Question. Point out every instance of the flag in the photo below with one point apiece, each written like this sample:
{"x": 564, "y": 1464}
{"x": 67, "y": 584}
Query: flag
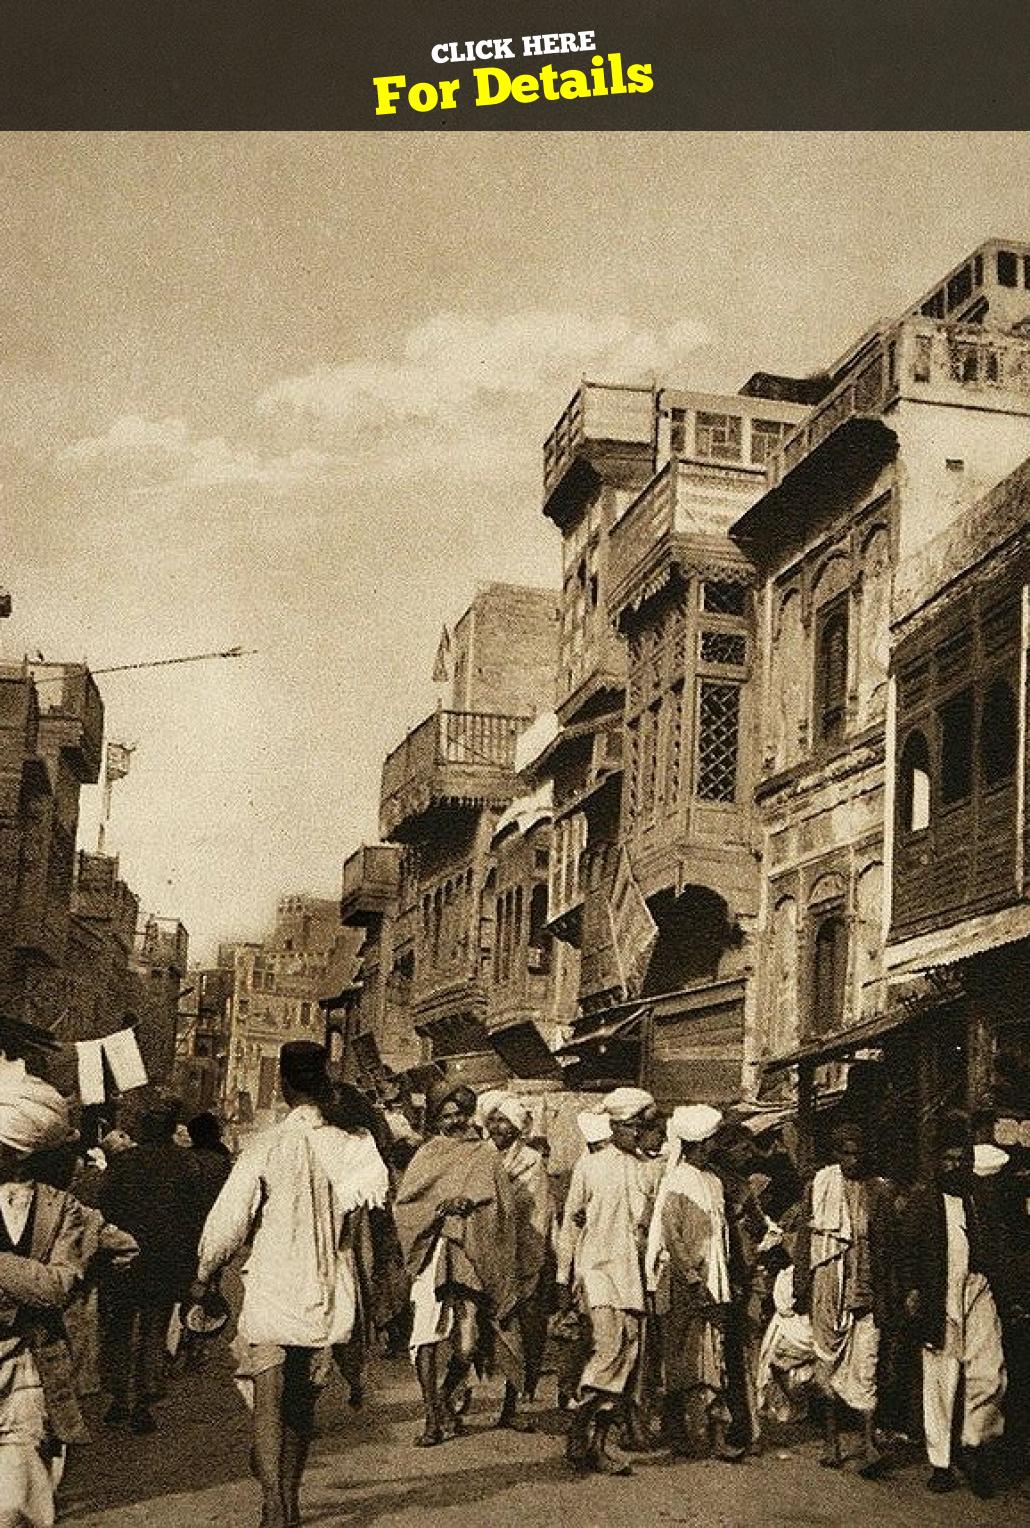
{"x": 119, "y": 756}
{"x": 442, "y": 662}
{"x": 634, "y": 931}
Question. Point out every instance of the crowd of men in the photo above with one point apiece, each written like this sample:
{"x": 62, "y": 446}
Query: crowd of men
{"x": 685, "y": 1298}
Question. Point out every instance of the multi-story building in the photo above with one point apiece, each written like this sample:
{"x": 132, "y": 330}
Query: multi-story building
{"x": 957, "y": 960}
{"x": 920, "y": 419}
{"x": 652, "y": 874}
{"x": 51, "y": 732}
{"x": 101, "y": 988}
{"x": 277, "y": 985}
{"x": 159, "y": 962}
{"x": 451, "y": 923}
{"x": 202, "y": 1041}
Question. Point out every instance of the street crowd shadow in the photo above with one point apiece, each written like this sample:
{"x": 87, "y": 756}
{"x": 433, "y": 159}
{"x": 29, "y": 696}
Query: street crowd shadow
{"x": 424, "y": 1495}
{"x": 203, "y": 1439}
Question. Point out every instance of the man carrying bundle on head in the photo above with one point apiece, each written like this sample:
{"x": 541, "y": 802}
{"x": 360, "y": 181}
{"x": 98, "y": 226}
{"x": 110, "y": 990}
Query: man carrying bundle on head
{"x": 458, "y": 1231}
{"x": 292, "y": 1192}
{"x": 605, "y": 1226}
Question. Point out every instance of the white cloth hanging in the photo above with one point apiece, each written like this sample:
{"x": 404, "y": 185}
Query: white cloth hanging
{"x": 90, "y": 1056}
{"x": 124, "y": 1059}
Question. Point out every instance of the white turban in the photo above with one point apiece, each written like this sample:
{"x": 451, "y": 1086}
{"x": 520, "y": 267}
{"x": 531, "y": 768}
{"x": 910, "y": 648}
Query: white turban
{"x": 626, "y": 1103}
{"x": 693, "y": 1122}
{"x": 511, "y": 1109}
{"x": 594, "y": 1127}
{"x": 487, "y": 1102}
{"x": 988, "y": 1159}
{"x": 33, "y": 1115}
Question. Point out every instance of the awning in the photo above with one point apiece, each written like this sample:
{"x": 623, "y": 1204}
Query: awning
{"x": 617, "y": 1026}
{"x": 524, "y": 814}
{"x": 832, "y": 1047}
{"x": 524, "y": 1050}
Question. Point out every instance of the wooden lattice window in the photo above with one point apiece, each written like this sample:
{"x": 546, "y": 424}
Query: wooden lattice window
{"x": 718, "y": 730}
{"x": 914, "y": 792}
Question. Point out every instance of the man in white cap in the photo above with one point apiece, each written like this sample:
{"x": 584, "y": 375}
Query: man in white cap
{"x": 953, "y": 1266}
{"x": 688, "y": 1269}
{"x": 604, "y": 1231}
{"x": 43, "y": 1258}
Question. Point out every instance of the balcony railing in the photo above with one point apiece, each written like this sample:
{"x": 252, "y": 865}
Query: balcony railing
{"x": 453, "y": 756}
{"x": 371, "y": 880}
{"x": 916, "y": 359}
{"x": 671, "y": 504}
{"x": 599, "y": 412}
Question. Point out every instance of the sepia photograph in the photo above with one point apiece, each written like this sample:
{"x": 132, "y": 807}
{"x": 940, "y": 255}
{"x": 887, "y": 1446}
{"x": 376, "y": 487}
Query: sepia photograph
{"x": 514, "y": 913}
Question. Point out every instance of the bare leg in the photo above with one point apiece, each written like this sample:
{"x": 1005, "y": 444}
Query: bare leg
{"x": 298, "y": 1413}
{"x": 267, "y": 1456}
{"x": 831, "y": 1455}
{"x": 874, "y": 1463}
{"x": 428, "y": 1379}
{"x": 508, "y": 1417}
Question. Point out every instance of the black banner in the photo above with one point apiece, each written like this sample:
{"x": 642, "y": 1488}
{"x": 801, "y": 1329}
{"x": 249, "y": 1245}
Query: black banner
{"x": 571, "y": 64}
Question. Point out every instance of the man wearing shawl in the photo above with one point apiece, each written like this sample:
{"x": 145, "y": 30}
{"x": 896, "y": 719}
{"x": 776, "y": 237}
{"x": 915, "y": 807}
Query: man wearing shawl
{"x": 458, "y": 1231}
{"x": 507, "y": 1124}
{"x": 292, "y": 1194}
{"x": 688, "y": 1271}
{"x": 604, "y": 1234}
{"x": 843, "y": 1280}
{"x": 43, "y": 1258}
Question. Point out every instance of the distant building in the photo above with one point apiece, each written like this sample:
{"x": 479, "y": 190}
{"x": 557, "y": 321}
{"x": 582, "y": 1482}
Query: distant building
{"x": 447, "y": 922}
{"x": 203, "y": 1037}
{"x": 276, "y": 988}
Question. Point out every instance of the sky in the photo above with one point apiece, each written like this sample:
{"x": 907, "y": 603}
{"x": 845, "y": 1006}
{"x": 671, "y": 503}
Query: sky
{"x": 289, "y": 392}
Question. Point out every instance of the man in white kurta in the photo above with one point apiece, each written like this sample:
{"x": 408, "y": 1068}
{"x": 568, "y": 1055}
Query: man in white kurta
{"x": 604, "y": 1233}
{"x": 293, "y": 1190}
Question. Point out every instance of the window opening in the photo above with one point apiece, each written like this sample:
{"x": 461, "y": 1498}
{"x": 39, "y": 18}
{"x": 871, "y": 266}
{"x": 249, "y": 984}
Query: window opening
{"x": 915, "y": 783}
{"x": 956, "y": 717}
{"x": 999, "y": 738}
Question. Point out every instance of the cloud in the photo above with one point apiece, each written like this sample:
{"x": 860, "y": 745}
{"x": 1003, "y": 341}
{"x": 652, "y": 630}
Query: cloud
{"x": 453, "y": 359}
{"x": 163, "y": 453}
{"x": 468, "y": 395}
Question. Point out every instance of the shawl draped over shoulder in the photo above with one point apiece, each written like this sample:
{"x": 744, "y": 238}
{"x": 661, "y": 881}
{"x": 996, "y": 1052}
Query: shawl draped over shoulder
{"x": 483, "y": 1246}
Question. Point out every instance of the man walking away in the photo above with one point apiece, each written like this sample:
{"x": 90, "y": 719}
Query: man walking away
{"x": 953, "y": 1268}
{"x": 153, "y": 1193}
{"x": 605, "y": 1226}
{"x": 291, "y": 1192}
